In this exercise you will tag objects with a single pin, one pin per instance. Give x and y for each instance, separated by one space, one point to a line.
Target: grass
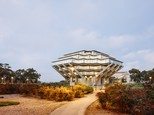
7 103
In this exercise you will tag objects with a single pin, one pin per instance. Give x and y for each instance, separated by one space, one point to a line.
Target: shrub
84 88
7 103
81 89
78 91
88 89
28 89
9 88
63 94
56 93
47 92
128 98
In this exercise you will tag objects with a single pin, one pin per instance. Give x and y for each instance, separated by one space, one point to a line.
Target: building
89 67
121 77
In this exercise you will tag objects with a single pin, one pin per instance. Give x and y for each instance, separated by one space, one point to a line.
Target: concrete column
107 80
94 80
71 83
102 82
76 79
82 80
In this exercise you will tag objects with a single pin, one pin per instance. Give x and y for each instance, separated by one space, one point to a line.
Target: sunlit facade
122 77
89 67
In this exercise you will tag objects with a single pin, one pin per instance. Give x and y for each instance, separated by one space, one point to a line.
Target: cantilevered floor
90 67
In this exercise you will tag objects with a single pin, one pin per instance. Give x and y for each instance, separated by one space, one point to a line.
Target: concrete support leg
82 80
76 79
93 80
71 79
102 82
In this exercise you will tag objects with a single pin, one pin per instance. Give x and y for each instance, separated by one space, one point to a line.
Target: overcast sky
33 33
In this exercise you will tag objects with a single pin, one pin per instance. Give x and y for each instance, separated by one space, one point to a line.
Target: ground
28 105
34 106
76 107
95 109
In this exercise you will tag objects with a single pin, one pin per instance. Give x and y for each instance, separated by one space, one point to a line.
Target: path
77 107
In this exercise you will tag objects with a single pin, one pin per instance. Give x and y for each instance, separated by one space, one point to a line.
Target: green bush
7 103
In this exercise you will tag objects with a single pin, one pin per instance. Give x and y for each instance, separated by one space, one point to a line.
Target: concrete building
89 67
122 77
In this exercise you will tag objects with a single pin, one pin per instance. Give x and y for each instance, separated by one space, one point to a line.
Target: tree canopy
141 76
7 75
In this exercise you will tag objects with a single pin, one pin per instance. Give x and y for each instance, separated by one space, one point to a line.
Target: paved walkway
77 107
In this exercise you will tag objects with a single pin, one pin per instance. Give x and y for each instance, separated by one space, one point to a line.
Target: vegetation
7 103
27 76
142 76
128 98
57 84
7 75
60 93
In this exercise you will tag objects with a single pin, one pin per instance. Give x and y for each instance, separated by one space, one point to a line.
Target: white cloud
141 59
117 42
92 39
150 58
34 33
131 64
83 36
141 53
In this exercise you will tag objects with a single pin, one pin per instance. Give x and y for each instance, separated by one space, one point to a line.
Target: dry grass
95 109
28 106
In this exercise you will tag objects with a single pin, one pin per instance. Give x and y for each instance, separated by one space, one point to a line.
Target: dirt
96 109
28 105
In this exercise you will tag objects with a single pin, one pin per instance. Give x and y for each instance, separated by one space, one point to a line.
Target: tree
135 75
20 76
150 75
32 75
6 74
138 76
27 76
144 76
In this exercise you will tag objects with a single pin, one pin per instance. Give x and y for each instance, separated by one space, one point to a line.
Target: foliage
62 94
9 88
28 89
7 75
135 75
7 103
57 84
79 90
85 88
47 92
142 76
128 98
26 76
56 93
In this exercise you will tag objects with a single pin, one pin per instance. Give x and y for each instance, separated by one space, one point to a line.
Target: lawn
7 103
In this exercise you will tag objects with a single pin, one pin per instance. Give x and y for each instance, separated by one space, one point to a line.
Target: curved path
77 107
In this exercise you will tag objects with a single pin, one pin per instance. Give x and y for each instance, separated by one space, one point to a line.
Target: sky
33 33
